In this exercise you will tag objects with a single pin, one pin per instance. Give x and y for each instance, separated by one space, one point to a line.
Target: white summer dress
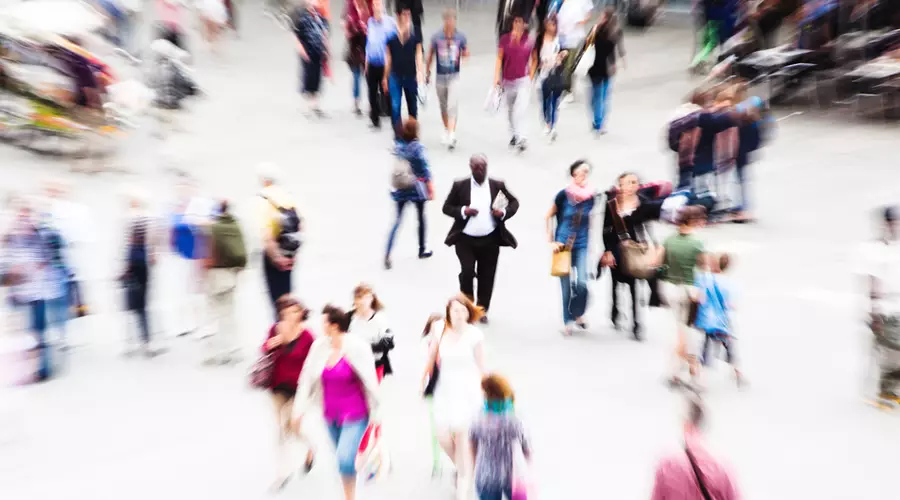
457 396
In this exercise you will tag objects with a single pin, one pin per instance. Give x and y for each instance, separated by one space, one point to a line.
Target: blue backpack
186 239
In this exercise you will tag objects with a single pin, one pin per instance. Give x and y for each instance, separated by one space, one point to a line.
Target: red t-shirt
516 56
289 359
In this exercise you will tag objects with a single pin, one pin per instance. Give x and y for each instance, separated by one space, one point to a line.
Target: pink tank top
345 398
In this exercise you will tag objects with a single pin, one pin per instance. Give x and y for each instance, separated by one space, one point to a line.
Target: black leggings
278 281
618 277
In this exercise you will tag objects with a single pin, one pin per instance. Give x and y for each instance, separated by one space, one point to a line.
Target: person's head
518 26
692 218
498 395
378 8
137 199
551 25
629 184
409 130
268 174
429 324
580 171
404 19
723 263
889 223
224 206
335 321
478 166
364 298
291 310
460 310
449 21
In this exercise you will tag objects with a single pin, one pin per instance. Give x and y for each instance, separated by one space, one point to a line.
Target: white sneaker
445 138
452 143
547 129
569 99
552 134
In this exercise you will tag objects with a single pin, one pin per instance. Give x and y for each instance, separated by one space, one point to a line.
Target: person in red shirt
290 340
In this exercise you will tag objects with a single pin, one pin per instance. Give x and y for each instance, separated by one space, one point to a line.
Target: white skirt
214 11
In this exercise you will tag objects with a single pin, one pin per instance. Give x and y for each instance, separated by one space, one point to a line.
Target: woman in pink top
171 18
340 373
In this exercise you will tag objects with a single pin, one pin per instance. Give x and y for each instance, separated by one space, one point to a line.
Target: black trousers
478 259
620 278
377 95
278 281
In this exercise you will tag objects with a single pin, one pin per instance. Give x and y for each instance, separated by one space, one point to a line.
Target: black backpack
288 238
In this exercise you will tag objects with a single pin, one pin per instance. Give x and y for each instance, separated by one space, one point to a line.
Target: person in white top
880 263
550 57
480 208
368 322
458 352
573 17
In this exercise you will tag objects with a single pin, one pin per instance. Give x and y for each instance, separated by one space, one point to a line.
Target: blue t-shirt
712 315
449 52
377 35
566 225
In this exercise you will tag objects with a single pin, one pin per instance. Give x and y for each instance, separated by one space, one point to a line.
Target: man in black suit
479 207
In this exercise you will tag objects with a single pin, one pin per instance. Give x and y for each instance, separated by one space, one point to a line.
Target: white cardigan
358 353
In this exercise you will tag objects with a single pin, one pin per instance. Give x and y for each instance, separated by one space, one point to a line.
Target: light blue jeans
357 78
494 493
599 99
58 314
574 287
346 438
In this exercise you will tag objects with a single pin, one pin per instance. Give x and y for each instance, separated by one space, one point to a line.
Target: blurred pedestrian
550 57
289 342
416 11
227 258
606 37
627 215
172 19
693 473
339 375
281 226
430 333
497 438
513 74
379 29
573 16
403 69
214 15
480 207
508 10
751 136
458 353
311 32
714 314
356 19
450 47
369 323
416 187
140 257
571 210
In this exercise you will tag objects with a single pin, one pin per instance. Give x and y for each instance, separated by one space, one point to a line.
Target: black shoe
387 263
637 333
426 254
484 320
521 145
513 142
307 467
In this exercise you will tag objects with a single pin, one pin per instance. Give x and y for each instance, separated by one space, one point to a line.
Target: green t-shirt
681 258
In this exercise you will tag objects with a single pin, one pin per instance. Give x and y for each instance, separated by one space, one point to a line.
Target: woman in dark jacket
409 149
632 211
290 340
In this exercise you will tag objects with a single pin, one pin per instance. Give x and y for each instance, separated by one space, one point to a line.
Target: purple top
515 56
345 398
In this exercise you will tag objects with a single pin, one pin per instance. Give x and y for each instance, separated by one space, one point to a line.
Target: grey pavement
595 405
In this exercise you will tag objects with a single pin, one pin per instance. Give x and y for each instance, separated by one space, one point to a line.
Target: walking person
311 31
513 74
289 341
339 375
59 276
507 10
171 14
627 214
606 38
280 231
693 473
550 58
458 352
227 258
356 19
140 257
480 207
450 47
497 438
416 10
402 68
417 187
378 30
214 15
716 304
573 16
369 323
571 211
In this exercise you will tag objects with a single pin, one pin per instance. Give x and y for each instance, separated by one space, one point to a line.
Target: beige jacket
358 353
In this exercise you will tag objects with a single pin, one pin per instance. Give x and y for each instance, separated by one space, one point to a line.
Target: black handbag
432 381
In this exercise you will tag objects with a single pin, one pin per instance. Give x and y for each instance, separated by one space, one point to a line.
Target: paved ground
595 404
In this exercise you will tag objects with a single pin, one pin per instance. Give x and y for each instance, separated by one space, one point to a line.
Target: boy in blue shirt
715 306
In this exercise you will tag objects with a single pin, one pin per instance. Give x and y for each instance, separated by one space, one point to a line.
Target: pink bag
520 483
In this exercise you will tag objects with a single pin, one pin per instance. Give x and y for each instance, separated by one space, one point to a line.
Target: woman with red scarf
356 19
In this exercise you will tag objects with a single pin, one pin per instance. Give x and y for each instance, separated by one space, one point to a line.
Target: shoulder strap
618 223
698 475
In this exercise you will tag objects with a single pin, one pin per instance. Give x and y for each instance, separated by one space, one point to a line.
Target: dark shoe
484 320
513 142
426 254
307 467
581 324
521 145
387 263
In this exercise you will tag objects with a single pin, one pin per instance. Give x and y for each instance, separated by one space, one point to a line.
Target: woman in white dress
215 17
458 352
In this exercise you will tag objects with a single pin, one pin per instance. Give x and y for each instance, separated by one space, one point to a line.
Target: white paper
500 202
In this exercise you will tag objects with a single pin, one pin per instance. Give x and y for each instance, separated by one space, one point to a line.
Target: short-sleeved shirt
570 223
516 55
682 251
377 35
403 54
449 51
495 435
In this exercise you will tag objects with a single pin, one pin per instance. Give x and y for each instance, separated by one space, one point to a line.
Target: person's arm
498 67
452 207
307 382
387 66
513 205
431 51
420 62
425 171
480 357
550 220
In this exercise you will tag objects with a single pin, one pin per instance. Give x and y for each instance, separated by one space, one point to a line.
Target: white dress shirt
482 224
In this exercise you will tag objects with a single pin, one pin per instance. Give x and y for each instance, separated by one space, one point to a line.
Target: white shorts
447 94
679 299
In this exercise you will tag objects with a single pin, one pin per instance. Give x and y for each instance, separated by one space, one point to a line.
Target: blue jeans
420 209
550 105
357 78
39 328
574 291
58 313
741 171
494 493
346 438
399 85
599 99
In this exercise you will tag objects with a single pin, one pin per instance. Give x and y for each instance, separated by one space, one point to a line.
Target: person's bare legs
349 484
282 418
448 445
464 465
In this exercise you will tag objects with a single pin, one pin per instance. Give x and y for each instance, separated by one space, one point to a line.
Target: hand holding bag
561 263
521 486
637 259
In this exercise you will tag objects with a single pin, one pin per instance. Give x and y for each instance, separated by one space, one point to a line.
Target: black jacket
461 196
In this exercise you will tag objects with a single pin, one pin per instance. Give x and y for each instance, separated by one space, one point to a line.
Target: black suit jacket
461 196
